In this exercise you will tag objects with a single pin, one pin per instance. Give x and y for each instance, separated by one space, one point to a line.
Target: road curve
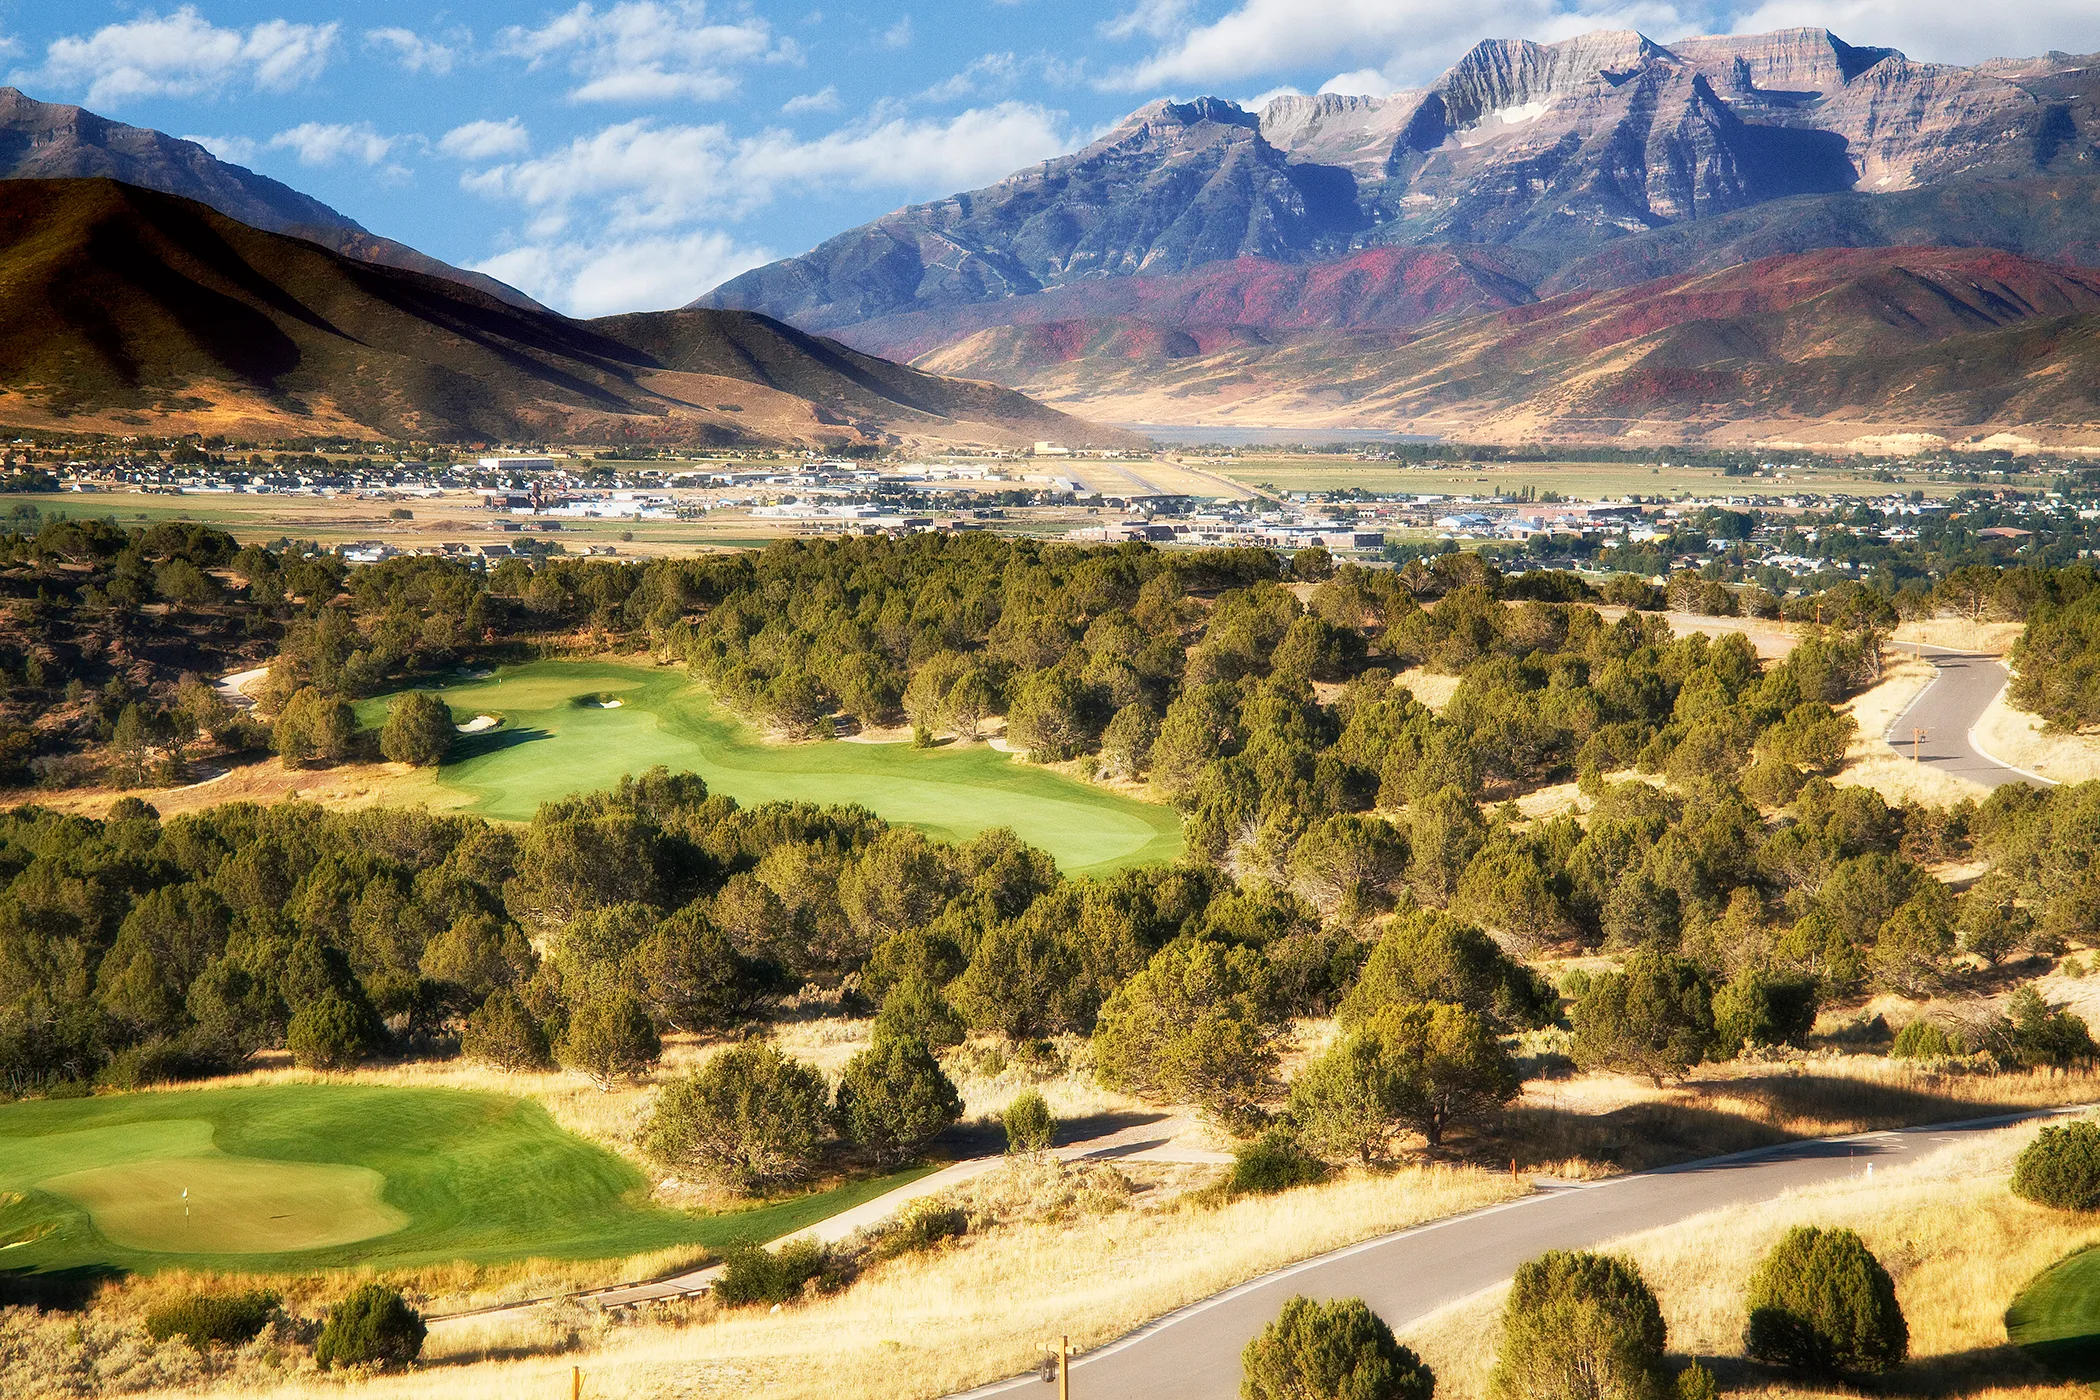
1194 1353
1947 710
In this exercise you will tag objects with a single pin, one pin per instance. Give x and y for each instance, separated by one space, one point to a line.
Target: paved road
1947 710
1194 1354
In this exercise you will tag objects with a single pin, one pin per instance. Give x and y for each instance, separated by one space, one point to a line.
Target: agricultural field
457 517
293 1177
1575 480
574 726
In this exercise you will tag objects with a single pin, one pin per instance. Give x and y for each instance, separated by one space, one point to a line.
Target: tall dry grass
1959 1245
930 1324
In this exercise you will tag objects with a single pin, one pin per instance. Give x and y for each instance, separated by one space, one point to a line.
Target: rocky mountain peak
1554 149
1784 61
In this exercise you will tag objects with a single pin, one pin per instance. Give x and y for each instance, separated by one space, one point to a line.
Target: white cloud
1263 99
1155 19
486 140
644 274
1941 31
1406 40
898 35
184 55
646 51
325 143
412 51
238 150
1364 82
825 99
638 176
995 72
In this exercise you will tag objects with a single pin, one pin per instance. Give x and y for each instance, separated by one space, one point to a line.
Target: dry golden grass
2021 739
1432 690
927 1325
1601 1124
1959 1245
1990 638
345 787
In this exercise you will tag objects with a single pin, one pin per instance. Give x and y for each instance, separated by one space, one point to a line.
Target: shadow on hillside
1710 1118
63 1290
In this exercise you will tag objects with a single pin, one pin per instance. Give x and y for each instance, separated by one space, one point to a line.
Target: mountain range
1196 262
123 307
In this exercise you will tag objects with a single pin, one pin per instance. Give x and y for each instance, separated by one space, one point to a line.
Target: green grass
297 1177
555 741
2056 1318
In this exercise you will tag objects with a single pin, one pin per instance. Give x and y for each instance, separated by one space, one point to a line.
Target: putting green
561 734
305 1176
2056 1318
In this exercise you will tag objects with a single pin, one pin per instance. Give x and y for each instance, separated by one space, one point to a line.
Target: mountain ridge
123 307
54 140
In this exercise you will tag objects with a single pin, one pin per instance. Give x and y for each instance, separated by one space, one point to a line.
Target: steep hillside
1551 153
1828 344
125 306
1245 299
54 141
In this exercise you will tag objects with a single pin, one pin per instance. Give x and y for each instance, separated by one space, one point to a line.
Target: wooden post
576 1383
1064 1368
1916 734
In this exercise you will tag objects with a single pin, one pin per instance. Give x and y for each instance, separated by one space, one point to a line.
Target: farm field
306 1176
458 518
1576 480
561 734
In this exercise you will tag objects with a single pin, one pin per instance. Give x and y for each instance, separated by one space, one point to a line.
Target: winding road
1947 710
1194 1354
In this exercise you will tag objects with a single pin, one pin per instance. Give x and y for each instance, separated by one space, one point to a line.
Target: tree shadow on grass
987 1137
1710 1118
55 1290
490 741
1944 1377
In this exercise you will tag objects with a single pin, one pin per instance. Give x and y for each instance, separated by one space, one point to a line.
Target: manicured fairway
2056 1318
560 736
305 1176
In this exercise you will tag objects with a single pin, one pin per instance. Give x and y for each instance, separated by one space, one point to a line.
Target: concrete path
1156 1140
1194 1353
1948 709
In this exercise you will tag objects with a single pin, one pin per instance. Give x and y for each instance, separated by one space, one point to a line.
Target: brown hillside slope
1848 340
121 306
58 141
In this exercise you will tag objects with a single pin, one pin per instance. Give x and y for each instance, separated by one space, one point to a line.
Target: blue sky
630 155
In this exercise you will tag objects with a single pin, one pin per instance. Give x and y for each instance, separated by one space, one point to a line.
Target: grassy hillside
120 305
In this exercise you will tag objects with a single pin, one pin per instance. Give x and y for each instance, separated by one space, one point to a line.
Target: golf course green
292 1177
575 726
2056 1318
